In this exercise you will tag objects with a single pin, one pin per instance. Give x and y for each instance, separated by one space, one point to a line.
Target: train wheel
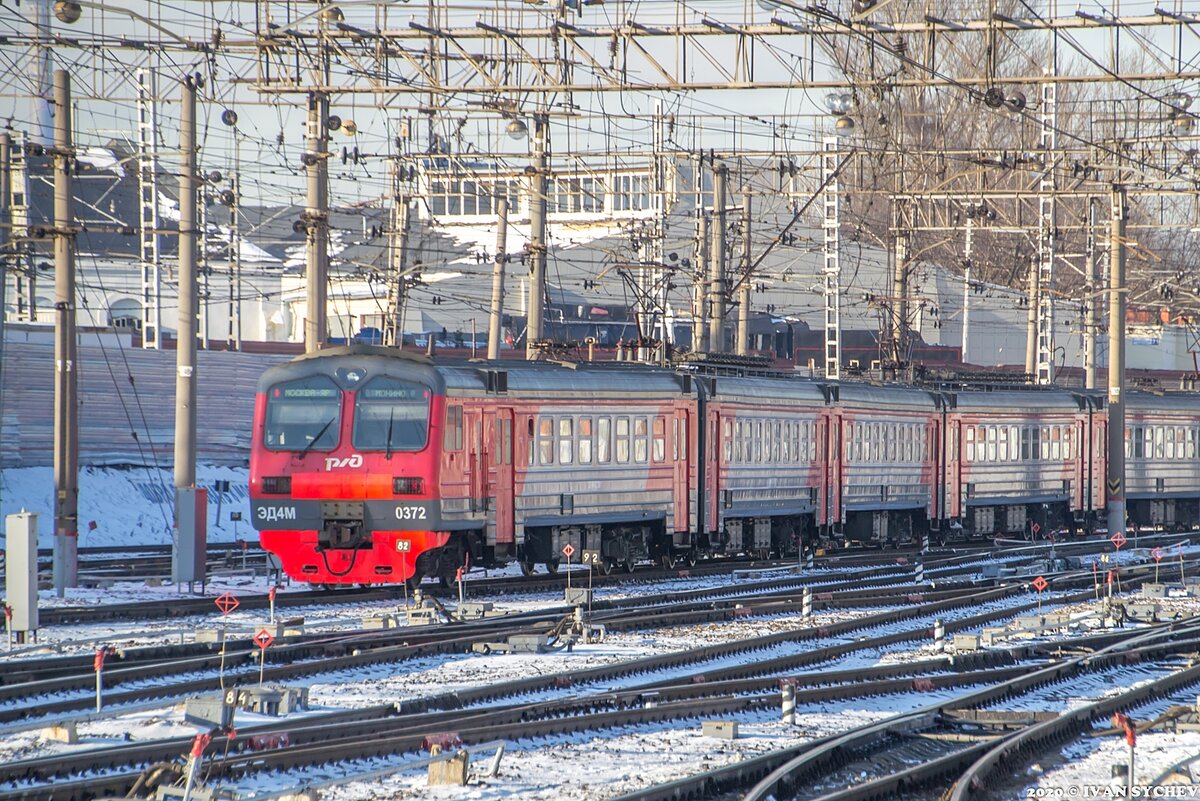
668 561
527 568
690 558
628 565
607 565
552 567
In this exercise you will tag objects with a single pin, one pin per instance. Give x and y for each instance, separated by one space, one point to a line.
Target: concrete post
716 276
743 333
496 315
537 239
66 423
316 253
1116 366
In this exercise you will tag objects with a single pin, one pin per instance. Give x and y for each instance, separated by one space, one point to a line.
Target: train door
473 467
836 466
1099 462
683 479
712 492
502 460
1079 500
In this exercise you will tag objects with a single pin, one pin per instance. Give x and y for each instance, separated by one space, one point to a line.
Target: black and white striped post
806 603
789 703
924 543
939 633
808 559
920 572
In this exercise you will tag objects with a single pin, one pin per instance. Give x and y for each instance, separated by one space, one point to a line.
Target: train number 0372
410 512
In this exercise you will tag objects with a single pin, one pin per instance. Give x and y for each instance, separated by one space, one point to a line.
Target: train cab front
342 474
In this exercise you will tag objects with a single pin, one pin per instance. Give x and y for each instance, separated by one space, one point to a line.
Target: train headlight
277 485
351 375
408 486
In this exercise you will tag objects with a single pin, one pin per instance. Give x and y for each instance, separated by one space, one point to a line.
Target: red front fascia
345 474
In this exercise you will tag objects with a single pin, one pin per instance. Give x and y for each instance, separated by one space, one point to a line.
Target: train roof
1018 400
480 377
889 396
1182 402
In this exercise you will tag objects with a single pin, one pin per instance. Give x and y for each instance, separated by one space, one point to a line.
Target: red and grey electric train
371 465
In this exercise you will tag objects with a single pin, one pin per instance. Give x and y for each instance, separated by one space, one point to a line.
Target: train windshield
303 415
391 415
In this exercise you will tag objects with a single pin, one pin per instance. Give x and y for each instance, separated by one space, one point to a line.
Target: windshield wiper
391 417
315 439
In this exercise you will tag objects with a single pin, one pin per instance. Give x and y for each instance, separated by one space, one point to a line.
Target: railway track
64 684
740 686
937 564
364 734
942 749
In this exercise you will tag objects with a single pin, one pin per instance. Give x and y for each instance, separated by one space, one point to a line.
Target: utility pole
393 332
1031 325
700 285
716 275
496 316
900 293
1091 325
316 254
1116 365
537 238
966 312
66 387
743 341
185 353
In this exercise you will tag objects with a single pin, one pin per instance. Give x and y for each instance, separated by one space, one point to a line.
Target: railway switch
213 711
577 596
20 576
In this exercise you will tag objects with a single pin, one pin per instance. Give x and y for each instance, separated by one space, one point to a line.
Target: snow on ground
593 766
1162 758
129 505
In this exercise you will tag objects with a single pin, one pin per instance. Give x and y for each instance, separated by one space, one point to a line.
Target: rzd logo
354 460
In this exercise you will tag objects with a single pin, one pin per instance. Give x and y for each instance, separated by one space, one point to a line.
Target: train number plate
411 512
403 546
590 557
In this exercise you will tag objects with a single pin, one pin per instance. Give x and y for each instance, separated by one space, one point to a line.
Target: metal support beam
234 341
1115 486
1031 328
1047 232
716 275
5 222
700 285
968 263
534 327
151 253
1091 324
316 254
496 314
66 388
831 270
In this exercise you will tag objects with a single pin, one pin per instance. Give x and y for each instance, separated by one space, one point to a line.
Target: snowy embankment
128 505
